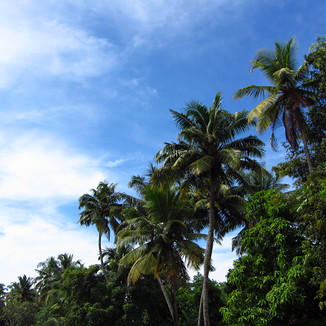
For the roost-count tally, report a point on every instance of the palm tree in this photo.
(286, 97)
(264, 180)
(51, 270)
(207, 148)
(101, 208)
(163, 239)
(23, 288)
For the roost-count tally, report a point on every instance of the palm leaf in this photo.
(253, 91)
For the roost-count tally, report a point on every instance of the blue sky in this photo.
(85, 92)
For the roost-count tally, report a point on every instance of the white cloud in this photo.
(55, 39)
(172, 15)
(38, 174)
(35, 167)
(31, 46)
(81, 114)
(25, 245)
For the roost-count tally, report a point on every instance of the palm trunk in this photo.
(167, 299)
(208, 252)
(200, 314)
(101, 256)
(306, 151)
(174, 303)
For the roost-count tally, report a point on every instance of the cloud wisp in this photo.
(35, 167)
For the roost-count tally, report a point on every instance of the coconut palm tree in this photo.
(285, 99)
(208, 149)
(23, 289)
(50, 271)
(102, 208)
(264, 180)
(163, 241)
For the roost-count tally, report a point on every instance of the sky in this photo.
(85, 92)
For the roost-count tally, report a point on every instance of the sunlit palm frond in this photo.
(259, 111)
(249, 146)
(284, 76)
(203, 164)
(271, 114)
(253, 91)
(144, 265)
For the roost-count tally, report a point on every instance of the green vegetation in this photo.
(208, 180)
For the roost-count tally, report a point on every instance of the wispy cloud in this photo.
(34, 166)
(33, 46)
(39, 174)
(24, 245)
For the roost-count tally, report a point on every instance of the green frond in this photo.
(132, 256)
(182, 158)
(181, 119)
(193, 253)
(203, 164)
(249, 146)
(239, 122)
(202, 203)
(301, 73)
(253, 91)
(259, 110)
(194, 135)
(250, 164)
(270, 116)
(217, 101)
(284, 76)
(145, 265)
(230, 157)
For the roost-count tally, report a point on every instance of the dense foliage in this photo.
(208, 180)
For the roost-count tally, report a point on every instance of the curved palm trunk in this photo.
(208, 253)
(101, 256)
(167, 299)
(174, 304)
(306, 151)
(200, 313)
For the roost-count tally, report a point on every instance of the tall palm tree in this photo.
(102, 208)
(207, 148)
(23, 288)
(285, 98)
(163, 239)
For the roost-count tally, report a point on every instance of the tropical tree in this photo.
(189, 298)
(20, 303)
(274, 283)
(2, 297)
(164, 241)
(101, 208)
(23, 289)
(264, 180)
(208, 149)
(50, 271)
(285, 99)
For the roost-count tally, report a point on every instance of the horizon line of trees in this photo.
(210, 179)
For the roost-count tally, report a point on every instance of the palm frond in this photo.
(144, 265)
(203, 164)
(259, 111)
(253, 91)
